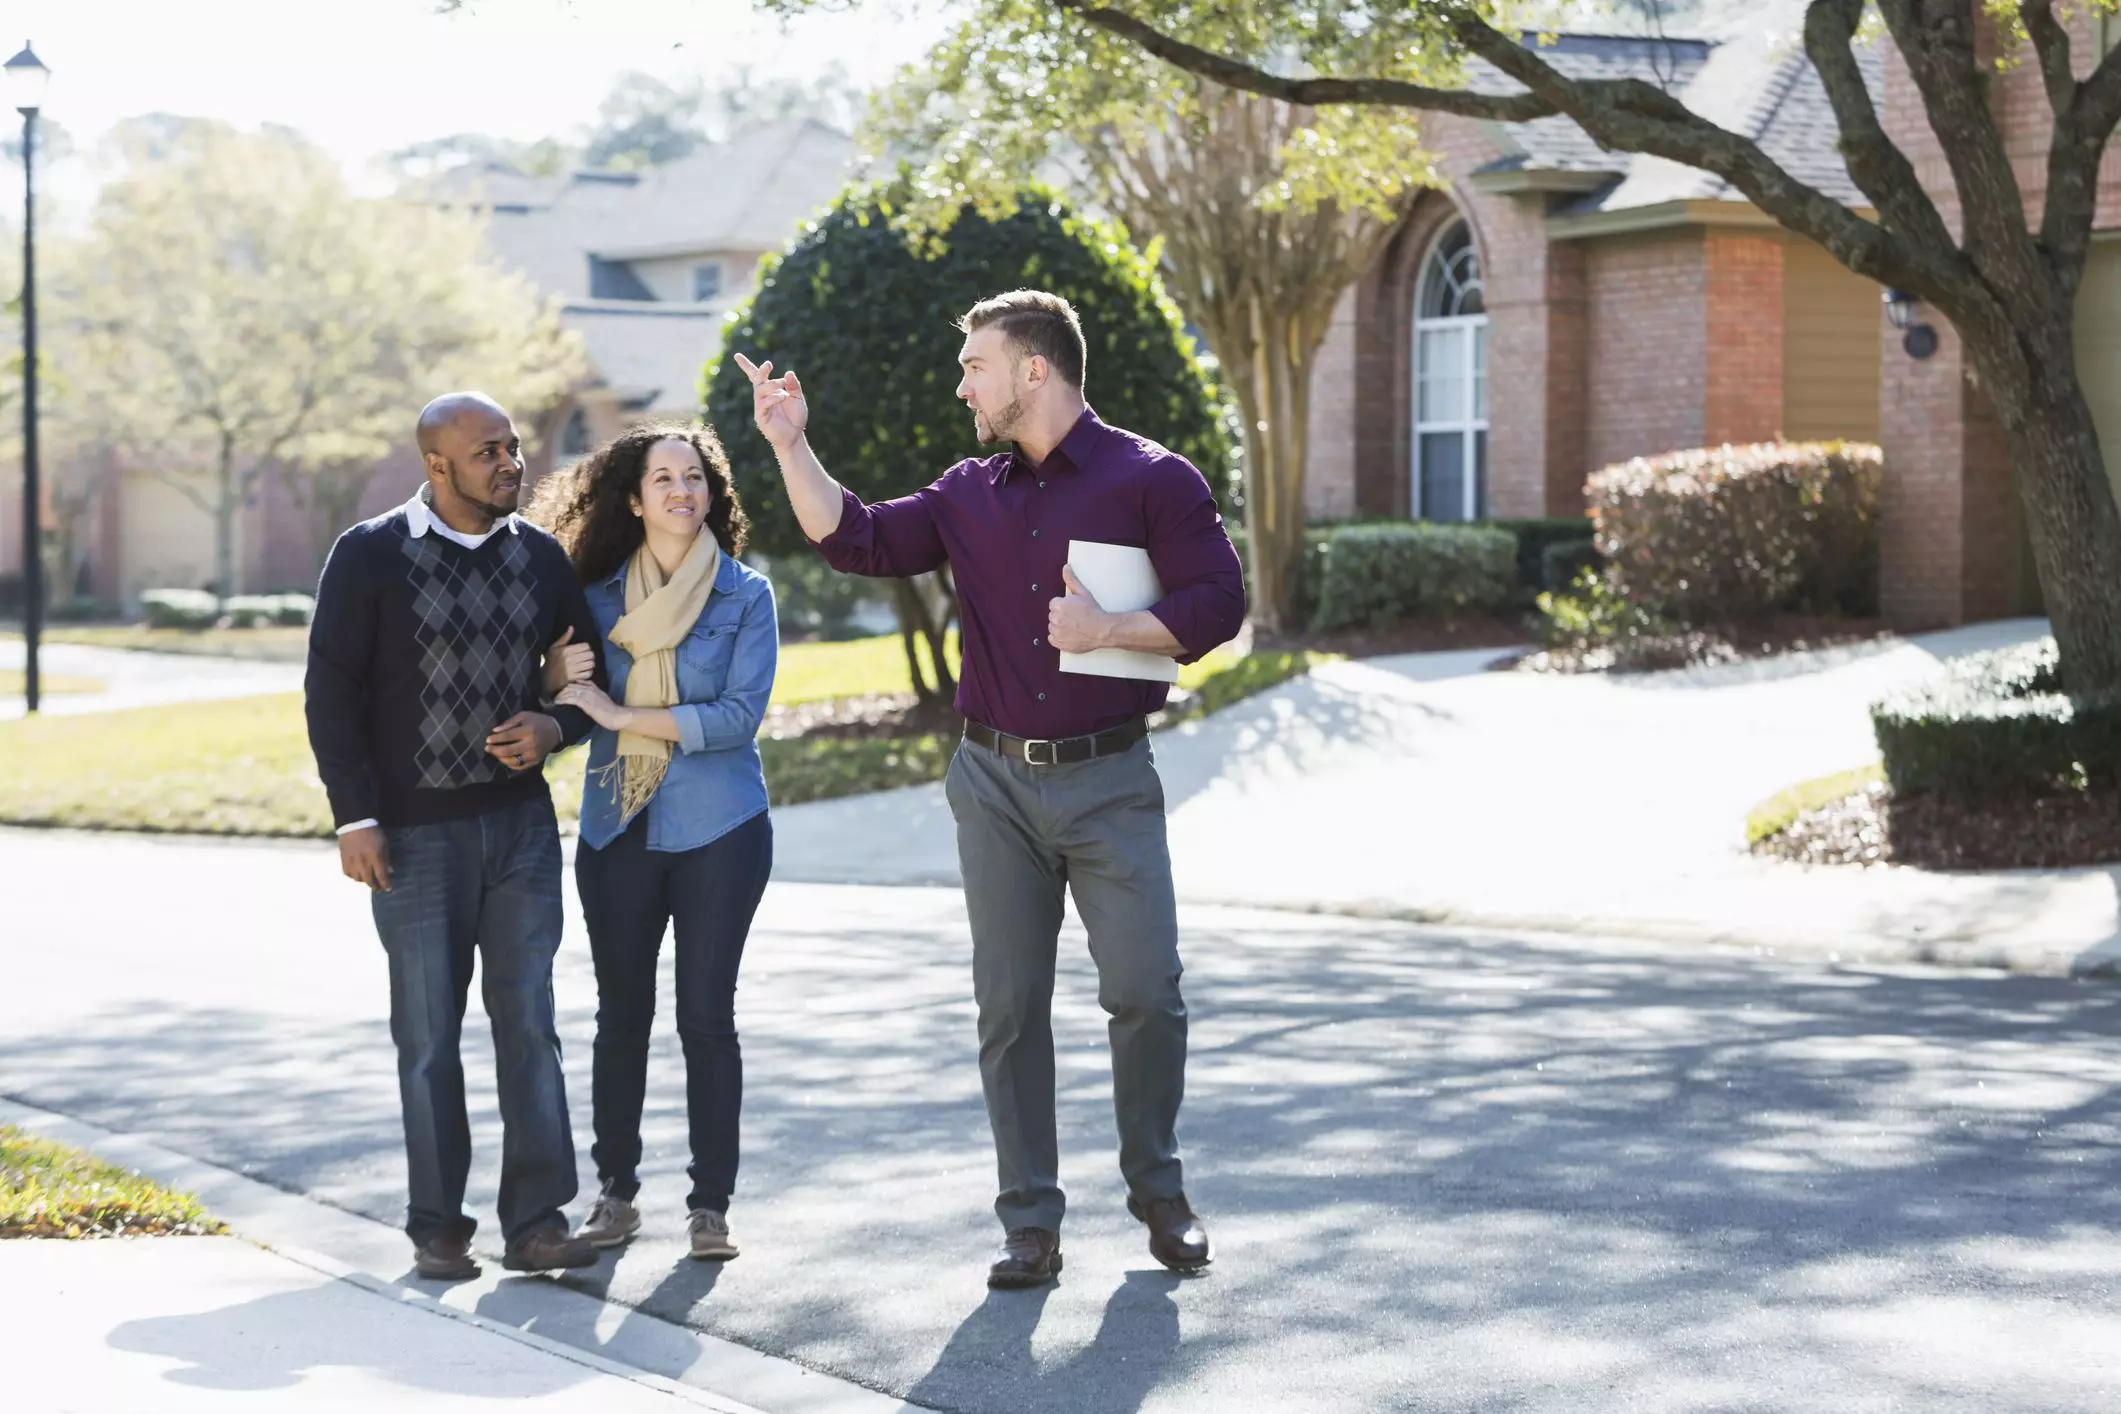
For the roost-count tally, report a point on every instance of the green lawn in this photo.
(49, 1190)
(243, 767)
(1775, 814)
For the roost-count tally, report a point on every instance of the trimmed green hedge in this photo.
(1998, 724)
(1373, 573)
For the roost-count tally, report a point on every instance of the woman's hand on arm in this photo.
(656, 722)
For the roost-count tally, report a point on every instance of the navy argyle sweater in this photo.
(419, 648)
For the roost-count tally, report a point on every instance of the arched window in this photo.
(1451, 382)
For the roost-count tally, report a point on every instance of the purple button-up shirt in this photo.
(1004, 526)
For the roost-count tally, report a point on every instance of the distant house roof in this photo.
(1750, 76)
(577, 235)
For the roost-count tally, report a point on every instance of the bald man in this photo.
(423, 703)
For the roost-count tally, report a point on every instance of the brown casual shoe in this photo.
(445, 1258)
(1176, 1237)
(549, 1249)
(612, 1222)
(709, 1235)
(1031, 1256)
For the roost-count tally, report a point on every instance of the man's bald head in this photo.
(474, 459)
(437, 417)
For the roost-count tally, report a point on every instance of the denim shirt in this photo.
(725, 676)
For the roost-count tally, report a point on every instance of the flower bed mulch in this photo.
(1936, 832)
(1705, 647)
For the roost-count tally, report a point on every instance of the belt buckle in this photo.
(1031, 753)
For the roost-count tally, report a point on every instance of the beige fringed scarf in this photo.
(659, 613)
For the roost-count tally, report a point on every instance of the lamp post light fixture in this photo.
(22, 83)
(1919, 339)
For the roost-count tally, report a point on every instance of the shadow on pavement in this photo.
(1421, 1155)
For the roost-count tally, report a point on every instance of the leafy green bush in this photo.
(813, 600)
(1998, 723)
(179, 608)
(263, 610)
(1592, 613)
(1727, 532)
(1315, 541)
(1375, 574)
(1535, 537)
(1563, 561)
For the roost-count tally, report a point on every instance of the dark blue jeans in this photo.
(487, 887)
(706, 897)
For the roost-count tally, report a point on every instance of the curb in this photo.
(258, 1212)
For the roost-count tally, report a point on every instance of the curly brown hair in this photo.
(589, 506)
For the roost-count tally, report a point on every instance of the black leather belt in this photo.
(1064, 752)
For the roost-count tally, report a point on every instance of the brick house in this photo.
(1553, 308)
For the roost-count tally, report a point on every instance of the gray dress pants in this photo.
(1025, 833)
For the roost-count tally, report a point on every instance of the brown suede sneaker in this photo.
(612, 1222)
(549, 1249)
(1176, 1237)
(445, 1258)
(708, 1232)
(1030, 1256)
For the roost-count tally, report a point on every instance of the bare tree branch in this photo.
(2098, 106)
(1309, 93)
(1876, 164)
(2051, 46)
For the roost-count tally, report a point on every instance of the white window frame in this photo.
(721, 281)
(1471, 421)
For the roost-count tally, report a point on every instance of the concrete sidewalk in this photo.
(1428, 789)
(215, 1323)
(312, 1307)
(140, 679)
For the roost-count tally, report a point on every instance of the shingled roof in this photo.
(1749, 74)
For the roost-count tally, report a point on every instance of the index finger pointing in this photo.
(751, 370)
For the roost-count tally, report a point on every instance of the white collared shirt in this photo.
(420, 518)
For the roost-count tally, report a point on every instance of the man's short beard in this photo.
(496, 512)
(1002, 423)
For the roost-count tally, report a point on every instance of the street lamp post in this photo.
(22, 82)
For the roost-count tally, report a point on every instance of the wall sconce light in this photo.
(1919, 339)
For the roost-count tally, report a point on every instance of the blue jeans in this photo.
(706, 897)
(487, 886)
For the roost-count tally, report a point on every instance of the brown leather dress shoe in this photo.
(1176, 1237)
(1031, 1256)
(445, 1258)
(549, 1249)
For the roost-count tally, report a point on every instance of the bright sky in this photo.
(362, 77)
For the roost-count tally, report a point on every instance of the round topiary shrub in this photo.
(1721, 533)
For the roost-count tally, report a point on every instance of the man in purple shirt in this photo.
(1054, 787)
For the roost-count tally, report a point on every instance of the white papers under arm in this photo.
(1121, 580)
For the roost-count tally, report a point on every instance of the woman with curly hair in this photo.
(674, 829)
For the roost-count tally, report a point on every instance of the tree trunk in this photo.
(1273, 390)
(912, 617)
(2074, 523)
(228, 500)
